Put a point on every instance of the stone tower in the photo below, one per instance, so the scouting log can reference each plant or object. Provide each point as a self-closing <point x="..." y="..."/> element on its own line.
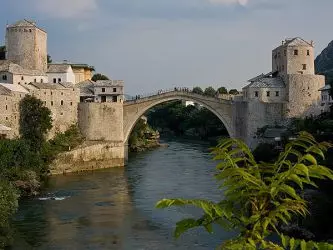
<point x="294" y="62"/>
<point x="26" y="45"/>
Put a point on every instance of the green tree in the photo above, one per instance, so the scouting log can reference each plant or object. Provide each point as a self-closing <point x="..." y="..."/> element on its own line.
<point x="8" y="206"/>
<point x="210" y="91"/>
<point x="233" y="92"/>
<point x="99" y="76"/>
<point x="49" y="59"/>
<point x="259" y="197"/>
<point x="35" y="121"/>
<point x="198" y="90"/>
<point x="222" y="90"/>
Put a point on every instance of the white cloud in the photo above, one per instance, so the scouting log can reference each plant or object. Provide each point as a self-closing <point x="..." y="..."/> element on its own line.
<point x="241" y="2"/>
<point x="66" y="8"/>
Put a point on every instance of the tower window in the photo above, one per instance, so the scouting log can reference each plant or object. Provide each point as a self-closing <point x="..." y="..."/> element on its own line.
<point x="296" y="52"/>
<point x="51" y="103"/>
<point x="41" y="80"/>
<point x="6" y="107"/>
<point x="103" y="90"/>
<point x="4" y="77"/>
<point x="71" y="103"/>
<point x="268" y="93"/>
<point x="308" y="52"/>
<point x="35" y="80"/>
<point x="304" y="66"/>
<point x="61" y="102"/>
<point x="114" y="89"/>
<point x="22" y="78"/>
<point x="256" y="93"/>
<point x="54" y="80"/>
<point x="59" y="79"/>
<point x="277" y="93"/>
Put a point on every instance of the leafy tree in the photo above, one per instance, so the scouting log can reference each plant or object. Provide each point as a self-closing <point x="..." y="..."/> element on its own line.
<point x="233" y="92"/>
<point x="210" y="91"/>
<point x="222" y="90"/>
<point x="49" y="59"/>
<point x="8" y="206"/>
<point x="198" y="90"/>
<point x="35" y="121"/>
<point x="259" y="197"/>
<point x="99" y="76"/>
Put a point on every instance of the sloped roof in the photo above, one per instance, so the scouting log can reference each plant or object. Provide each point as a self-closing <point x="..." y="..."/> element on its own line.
<point x="326" y="87"/>
<point x="267" y="82"/>
<point x="67" y="85"/>
<point x="14" y="88"/>
<point x="23" y="23"/>
<point x="86" y="88"/>
<point x="108" y="83"/>
<point x="7" y="66"/>
<point x="40" y="85"/>
<point x="58" y="68"/>
<point x="297" y="41"/>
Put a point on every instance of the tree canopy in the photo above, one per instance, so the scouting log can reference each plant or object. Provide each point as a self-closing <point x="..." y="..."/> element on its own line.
<point x="222" y="90"/>
<point x="198" y="90"/>
<point x="35" y="121"/>
<point x="210" y="91"/>
<point x="49" y="58"/>
<point x="99" y="76"/>
<point x="233" y="92"/>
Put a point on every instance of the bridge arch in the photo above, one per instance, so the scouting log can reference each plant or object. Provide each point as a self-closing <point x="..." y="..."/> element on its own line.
<point x="134" y="109"/>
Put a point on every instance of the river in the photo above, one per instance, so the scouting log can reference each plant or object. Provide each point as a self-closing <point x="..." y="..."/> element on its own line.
<point x="114" y="208"/>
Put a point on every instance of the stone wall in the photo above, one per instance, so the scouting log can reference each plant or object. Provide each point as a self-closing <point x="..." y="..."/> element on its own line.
<point x="10" y="113"/>
<point x="27" y="47"/>
<point x="63" y="104"/>
<point x="253" y="115"/>
<point x="90" y="156"/>
<point x="303" y="95"/>
<point x="101" y="121"/>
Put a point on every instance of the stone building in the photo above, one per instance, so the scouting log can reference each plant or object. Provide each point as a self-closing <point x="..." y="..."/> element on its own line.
<point x="326" y="99"/>
<point x="24" y="71"/>
<point x="58" y="73"/>
<point x="289" y="90"/>
<point x="62" y="99"/>
<point x="10" y="96"/>
<point x="26" y="45"/>
<point x="101" y="91"/>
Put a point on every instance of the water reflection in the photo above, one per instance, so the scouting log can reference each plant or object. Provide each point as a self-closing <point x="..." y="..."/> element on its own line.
<point x="114" y="208"/>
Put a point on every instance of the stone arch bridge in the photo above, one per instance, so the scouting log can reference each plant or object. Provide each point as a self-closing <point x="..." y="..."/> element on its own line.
<point x="134" y="109"/>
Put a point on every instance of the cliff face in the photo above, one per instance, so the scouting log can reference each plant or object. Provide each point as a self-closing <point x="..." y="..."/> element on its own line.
<point x="324" y="63"/>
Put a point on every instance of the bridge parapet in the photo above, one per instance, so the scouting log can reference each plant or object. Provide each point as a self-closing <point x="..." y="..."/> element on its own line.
<point x="172" y="92"/>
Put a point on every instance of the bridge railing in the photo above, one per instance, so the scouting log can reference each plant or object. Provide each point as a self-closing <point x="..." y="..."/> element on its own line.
<point x="165" y="91"/>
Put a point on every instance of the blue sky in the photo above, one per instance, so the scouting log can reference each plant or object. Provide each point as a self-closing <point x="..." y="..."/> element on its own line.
<point x="159" y="44"/>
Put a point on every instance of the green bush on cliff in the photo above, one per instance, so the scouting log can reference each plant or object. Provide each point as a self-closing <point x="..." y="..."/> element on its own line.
<point x="8" y="206"/>
<point x="35" y="121"/>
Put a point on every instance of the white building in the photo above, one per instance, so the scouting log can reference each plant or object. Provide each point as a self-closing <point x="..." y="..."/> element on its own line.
<point x="326" y="99"/>
<point x="101" y="91"/>
<point x="58" y="73"/>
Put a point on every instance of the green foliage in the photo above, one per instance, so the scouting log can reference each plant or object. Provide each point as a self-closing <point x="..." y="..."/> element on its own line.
<point x="8" y="206"/>
<point x="210" y="91"/>
<point x="198" y="90"/>
<point x="182" y="120"/>
<point x="265" y="152"/>
<point x="233" y="92"/>
<point x="222" y="90"/>
<point x="35" y="121"/>
<point x="259" y="197"/>
<point x="99" y="76"/>
<point x="49" y="58"/>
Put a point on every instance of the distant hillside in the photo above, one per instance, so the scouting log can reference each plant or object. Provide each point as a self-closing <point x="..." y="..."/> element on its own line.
<point x="324" y="63"/>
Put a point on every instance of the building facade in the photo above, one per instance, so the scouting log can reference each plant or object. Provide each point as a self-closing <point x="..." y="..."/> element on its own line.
<point x="26" y="45"/>
<point x="58" y="73"/>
